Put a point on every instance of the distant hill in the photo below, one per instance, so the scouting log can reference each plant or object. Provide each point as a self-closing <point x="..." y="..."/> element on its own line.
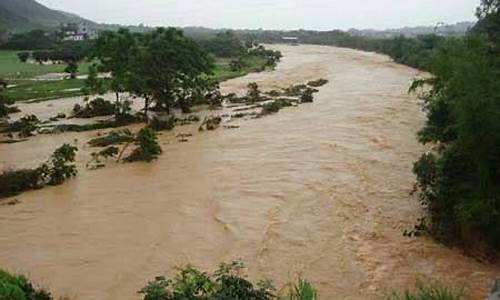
<point x="21" y="15"/>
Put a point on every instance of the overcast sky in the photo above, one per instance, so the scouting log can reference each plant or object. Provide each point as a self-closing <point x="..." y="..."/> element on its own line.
<point x="272" y="14"/>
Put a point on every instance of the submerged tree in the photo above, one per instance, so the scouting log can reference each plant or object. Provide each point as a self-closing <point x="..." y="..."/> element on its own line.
<point x="148" y="148"/>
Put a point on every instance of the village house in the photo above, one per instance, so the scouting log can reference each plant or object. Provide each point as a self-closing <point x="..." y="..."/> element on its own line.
<point x="77" y="32"/>
<point x="292" y="40"/>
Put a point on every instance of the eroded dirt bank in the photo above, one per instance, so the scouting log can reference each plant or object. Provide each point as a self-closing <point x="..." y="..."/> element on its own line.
<point x="321" y="190"/>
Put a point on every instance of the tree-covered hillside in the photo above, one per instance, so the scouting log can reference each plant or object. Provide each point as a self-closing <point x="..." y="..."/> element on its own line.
<point x="20" y="15"/>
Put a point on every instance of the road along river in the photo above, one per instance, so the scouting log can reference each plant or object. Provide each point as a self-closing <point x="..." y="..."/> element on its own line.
<point x="320" y="190"/>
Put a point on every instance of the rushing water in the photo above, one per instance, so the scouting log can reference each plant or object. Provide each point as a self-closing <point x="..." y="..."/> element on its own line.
<point x="320" y="190"/>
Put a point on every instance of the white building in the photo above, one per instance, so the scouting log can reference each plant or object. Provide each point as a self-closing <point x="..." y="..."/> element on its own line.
<point x="292" y="40"/>
<point x="77" y="32"/>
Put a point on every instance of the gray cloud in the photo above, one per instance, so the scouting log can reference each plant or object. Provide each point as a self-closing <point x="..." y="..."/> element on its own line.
<point x="276" y="14"/>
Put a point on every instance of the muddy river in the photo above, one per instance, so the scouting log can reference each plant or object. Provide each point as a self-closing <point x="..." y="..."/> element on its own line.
<point x="320" y="190"/>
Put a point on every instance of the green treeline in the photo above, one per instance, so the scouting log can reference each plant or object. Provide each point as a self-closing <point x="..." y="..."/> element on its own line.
<point x="460" y="180"/>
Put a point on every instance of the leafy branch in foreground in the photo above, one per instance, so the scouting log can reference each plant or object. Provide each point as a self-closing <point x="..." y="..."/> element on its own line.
<point x="18" y="287"/>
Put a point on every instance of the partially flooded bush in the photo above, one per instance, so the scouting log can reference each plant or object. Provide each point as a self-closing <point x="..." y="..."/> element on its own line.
<point x="274" y="93"/>
<point x="95" y="162"/>
<point x="15" y="182"/>
<point x="94" y="108"/>
<point x="60" y="166"/>
<point x="55" y="171"/>
<point x="317" y="83"/>
<point x="162" y="123"/>
<point x="148" y="148"/>
<point x="214" y="99"/>
<point x="187" y="120"/>
<point x="307" y="96"/>
<point x="18" y="287"/>
<point x="109" y="152"/>
<point x="113" y="138"/>
<point x="295" y="90"/>
<point x="253" y="93"/>
<point x="275" y="106"/>
<point x="7" y="109"/>
<point x="210" y="123"/>
<point x="25" y="126"/>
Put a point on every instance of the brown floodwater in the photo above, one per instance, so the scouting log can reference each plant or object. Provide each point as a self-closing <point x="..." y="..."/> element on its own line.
<point x="320" y="190"/>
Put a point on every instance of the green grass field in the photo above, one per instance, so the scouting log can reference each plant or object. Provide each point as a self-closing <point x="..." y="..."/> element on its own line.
<point x="11" y="68"/>
<point x="44" y="90"/>
<point x="223" y="71"/>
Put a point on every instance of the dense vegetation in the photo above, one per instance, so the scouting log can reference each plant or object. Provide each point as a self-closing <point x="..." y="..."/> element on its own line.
<point x="16" y="287"/>
<point x="228" y="282"/>
<point x="459" y="182"/>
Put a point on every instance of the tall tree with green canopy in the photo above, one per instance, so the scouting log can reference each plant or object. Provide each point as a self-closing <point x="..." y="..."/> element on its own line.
<point x="116" y="51"/>
<point x="171" y="67"/>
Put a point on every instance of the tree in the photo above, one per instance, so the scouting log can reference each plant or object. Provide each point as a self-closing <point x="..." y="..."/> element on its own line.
<point x="72" y="69"/>
<point x="226" y="44"/>
<point x="148" y="148"/>
<point x="174" y="68"/>
<point x="489" y="22"/>
<point x="41" y="56"/>
<point x="23" y="56"/>
<point x="116" y="51"/>
<point x="92" y="84"/>
<point x="4" y="100"/>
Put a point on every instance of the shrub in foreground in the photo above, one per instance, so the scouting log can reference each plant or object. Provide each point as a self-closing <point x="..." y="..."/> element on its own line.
<point x="226" y="283"/>
<point x="302" y="290"/>
<point x="18" y="287"/>
<point x="428" y="292"/>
